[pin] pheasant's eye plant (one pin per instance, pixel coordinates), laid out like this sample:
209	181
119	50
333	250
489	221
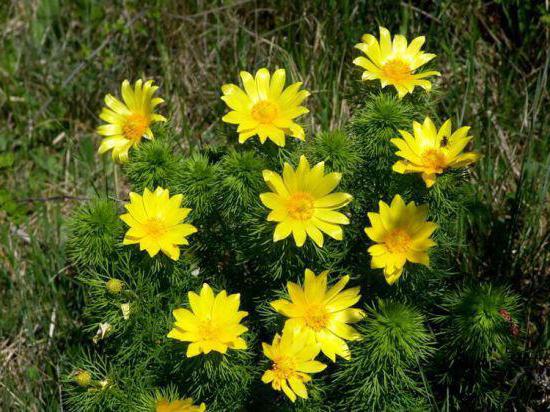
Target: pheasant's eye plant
201	283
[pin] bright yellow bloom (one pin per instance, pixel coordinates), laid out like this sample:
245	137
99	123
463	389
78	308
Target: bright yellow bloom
394	63
325	313
432	151
402	234
156	222
293	356
128	122
179	405
212	324
302	203
264	108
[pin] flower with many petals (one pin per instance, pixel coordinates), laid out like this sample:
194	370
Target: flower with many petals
212	324
431	151
324	312
156	222
302	203
179	405
402	234
293	359
265	108
129	122
394	63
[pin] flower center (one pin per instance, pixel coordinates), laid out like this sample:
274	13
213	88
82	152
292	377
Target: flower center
135	126
435	160
208	331
284	367
155	228
264	111
397	241
396	71
300	206
316	317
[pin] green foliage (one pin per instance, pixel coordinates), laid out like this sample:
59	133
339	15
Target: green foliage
95	231
480	335
241	181
391	368
102	393
479	321
223	382
197	180
152	164
385	371
336	149
378	121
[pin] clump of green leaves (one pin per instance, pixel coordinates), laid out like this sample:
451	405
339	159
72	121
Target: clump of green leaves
152	164
95	233
336	149
385	370
197	180
241	181
481	321
379	120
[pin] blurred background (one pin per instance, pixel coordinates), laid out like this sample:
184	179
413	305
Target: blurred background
59	58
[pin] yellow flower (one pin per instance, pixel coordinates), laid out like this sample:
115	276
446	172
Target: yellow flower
432	151
302	203
128	122
394	63
156	222
325	313
213	324
179	405
264	108
293	356
402	234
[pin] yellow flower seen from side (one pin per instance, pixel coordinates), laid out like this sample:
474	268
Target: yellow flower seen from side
156	222
303	204
395	62
212	324
129	121
265	108
293	359
324	312
402	234
179	405
431	151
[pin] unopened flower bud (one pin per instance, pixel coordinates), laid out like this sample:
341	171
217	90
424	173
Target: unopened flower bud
114	286
125	308
83	378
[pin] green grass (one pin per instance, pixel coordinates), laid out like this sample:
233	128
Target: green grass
59	58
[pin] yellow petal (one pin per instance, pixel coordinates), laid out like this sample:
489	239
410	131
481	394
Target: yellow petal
334	200
282	231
